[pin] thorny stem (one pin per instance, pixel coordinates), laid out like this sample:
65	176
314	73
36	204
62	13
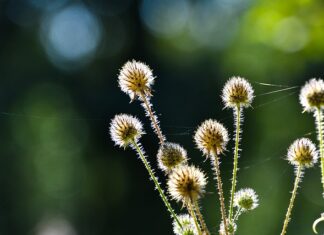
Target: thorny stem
292	199
201	218
157	185
193	215
237	116
153	119
215	162
237	214
320	138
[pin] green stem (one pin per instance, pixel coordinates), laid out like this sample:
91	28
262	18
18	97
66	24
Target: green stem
236	153
237	214
215	163
320	138
193	215
157	185
201	218
292	199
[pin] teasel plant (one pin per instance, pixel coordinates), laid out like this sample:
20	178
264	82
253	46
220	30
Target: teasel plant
237	94
185	183
312	100
301	154
135	79
211	138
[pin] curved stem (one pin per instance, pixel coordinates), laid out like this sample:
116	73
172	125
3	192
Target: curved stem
292	199
153	118
157	184
193	215
201	218
237	116
320	139
215	162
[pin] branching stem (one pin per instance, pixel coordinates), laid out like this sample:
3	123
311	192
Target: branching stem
237	116
201	218
292	199
157	184
215	162
154	121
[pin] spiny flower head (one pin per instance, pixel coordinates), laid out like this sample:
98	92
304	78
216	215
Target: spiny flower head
171	155
312	95
188	225
124	129
237	91
302	152
211	137
135	79
186	183
246	199
231	228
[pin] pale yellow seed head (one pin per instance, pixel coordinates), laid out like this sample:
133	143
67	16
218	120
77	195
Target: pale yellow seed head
124	129
302	152
186	183
171	155
211	137
237	92
312	95
135	79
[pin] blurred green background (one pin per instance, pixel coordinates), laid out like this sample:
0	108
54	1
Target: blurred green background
60	173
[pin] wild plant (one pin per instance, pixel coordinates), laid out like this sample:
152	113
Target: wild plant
186	183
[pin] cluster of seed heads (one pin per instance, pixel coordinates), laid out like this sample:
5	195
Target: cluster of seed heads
186	183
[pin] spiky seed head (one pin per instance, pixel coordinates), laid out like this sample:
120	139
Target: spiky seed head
124	129
211	137
237	91
246	199
312	95
186	183
135	79
188	225
171	155
231	228
302	152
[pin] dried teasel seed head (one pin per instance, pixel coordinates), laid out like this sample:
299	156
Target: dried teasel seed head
302	152
211	137
246	199
312	95
186	183
135	79
237	92
231	228
188	225
171	155
124	129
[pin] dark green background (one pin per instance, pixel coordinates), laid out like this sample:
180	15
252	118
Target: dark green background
60	170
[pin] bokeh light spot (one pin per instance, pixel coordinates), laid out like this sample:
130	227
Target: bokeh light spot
165	18
290	35
71	36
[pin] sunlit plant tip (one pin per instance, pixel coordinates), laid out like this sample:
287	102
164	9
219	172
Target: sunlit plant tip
231	228
171	155
186	183
237	92
188	225
124	129
312	95
211	137
302	152
135	79
246	199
